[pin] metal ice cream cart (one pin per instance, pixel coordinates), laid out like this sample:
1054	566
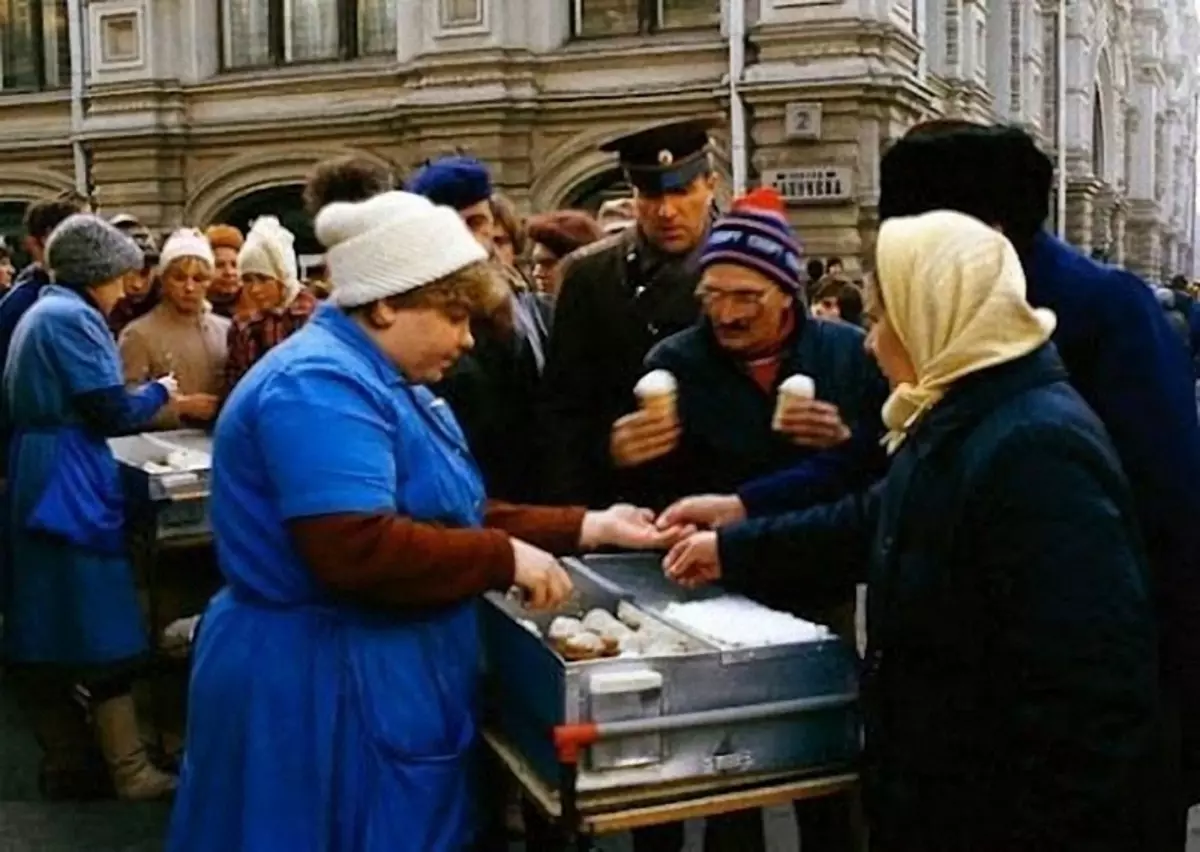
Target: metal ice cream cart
166	477
704	727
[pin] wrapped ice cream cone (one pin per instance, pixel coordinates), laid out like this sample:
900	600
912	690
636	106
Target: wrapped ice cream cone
793	389
656	393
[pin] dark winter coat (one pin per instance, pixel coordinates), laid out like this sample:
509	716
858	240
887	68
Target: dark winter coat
1010	694
493	392
726	417
1126	362
618	298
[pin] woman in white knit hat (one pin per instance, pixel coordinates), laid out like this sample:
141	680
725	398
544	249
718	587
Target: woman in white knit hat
280	306
1010	700
181	335
333	690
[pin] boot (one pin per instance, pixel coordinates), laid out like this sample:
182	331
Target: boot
134	776
71	766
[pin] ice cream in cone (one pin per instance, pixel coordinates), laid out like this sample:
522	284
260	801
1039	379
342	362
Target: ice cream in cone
793	389
656	393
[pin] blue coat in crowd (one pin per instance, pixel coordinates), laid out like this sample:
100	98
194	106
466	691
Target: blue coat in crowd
71	597
317	725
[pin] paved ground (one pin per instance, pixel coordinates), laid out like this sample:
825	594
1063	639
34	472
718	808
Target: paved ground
30	825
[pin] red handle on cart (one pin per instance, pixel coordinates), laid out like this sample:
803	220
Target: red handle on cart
569	740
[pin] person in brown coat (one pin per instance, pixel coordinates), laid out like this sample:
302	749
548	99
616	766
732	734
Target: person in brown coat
181	336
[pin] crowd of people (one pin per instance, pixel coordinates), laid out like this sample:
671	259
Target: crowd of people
1000	439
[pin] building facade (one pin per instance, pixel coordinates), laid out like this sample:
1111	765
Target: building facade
194	111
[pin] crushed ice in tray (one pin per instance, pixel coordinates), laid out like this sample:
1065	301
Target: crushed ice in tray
739	622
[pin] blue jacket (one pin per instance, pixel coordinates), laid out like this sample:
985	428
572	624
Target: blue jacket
727	435
16	302
1010	695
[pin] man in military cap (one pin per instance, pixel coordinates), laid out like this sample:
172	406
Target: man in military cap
619	297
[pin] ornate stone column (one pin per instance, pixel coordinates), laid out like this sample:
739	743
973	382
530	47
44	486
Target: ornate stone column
1081	197
1102	209
1144	246
1117	252
1166	262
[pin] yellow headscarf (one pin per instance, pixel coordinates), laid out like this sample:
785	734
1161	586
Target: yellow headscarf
954	292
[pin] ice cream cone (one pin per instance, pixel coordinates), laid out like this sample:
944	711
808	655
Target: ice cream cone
793	389
657	392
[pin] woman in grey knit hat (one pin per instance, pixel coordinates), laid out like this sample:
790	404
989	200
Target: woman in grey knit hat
71	612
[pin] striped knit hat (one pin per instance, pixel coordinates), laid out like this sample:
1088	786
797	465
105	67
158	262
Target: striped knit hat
755	234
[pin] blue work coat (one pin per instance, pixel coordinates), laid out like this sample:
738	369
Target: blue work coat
71	597
317	726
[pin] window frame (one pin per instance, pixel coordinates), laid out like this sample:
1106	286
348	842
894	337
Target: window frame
650	17
37	12
349	42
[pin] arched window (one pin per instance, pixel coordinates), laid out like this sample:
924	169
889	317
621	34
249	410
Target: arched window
35	51
594	191
257	33
12	230
1098	153
286	203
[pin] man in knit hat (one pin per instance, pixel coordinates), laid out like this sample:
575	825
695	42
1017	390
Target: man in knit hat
752	336
226	288
619	297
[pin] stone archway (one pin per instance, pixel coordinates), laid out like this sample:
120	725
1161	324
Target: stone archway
242	176
26	184
578	160
12	230
591	192
286	203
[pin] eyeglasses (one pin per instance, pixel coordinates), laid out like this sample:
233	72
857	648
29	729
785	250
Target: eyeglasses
738	298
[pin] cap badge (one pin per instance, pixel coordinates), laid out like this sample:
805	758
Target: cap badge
665	157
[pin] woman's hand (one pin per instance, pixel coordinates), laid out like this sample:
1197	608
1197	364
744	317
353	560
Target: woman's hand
813	423
627	527
643	437
695	561
170	384
197	406
545	582
706	511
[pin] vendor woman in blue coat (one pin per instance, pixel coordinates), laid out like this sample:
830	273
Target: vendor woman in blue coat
1010	694
71	611
333	695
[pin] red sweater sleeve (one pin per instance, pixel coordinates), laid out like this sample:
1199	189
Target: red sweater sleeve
554	529
392	560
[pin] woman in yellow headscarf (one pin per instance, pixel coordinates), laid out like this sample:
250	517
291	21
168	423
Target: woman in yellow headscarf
1009	695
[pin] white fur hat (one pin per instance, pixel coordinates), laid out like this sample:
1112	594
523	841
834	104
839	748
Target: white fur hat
185	242
270	250
390	244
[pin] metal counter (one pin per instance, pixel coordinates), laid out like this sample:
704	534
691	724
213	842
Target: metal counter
707	711
177	500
